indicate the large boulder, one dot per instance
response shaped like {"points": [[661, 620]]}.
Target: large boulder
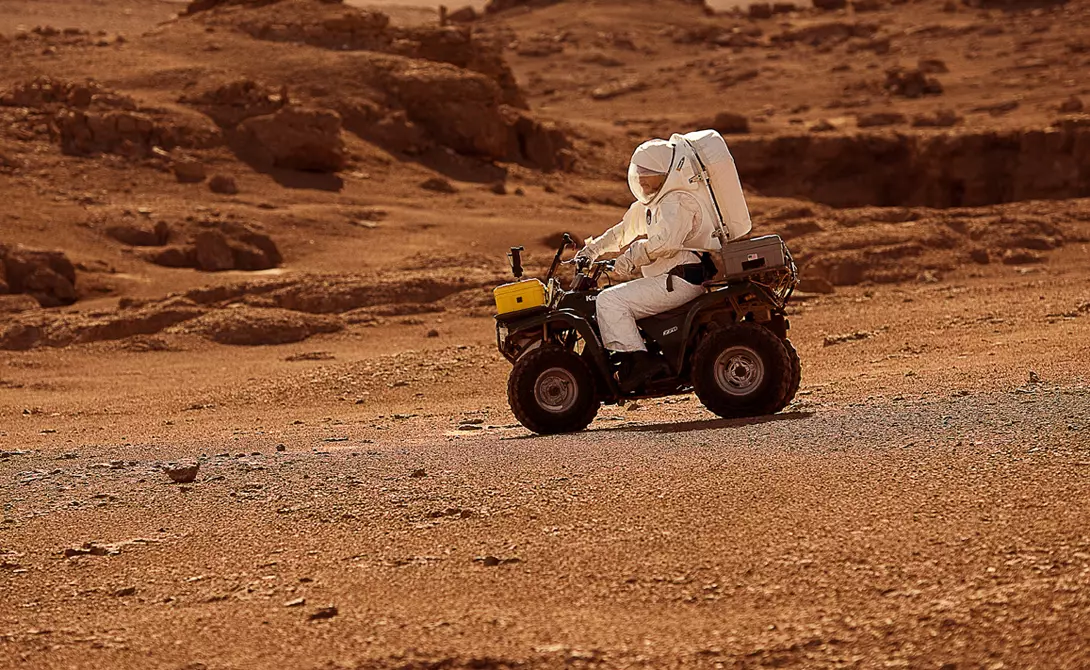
{"points": [[219, 246], [296, 138], [45, 275]]}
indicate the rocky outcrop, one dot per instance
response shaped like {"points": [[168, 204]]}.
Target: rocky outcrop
{"points": [[45, 275], [87, 119], [929, 169], [232, 102]]}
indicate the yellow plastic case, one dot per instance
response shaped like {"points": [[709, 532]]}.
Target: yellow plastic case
{"points": [[518, 296]]}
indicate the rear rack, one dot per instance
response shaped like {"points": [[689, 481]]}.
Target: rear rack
{"points": [[778, 282]]}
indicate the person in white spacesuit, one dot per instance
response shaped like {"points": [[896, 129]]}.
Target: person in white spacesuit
{"points": [[675, 214]]}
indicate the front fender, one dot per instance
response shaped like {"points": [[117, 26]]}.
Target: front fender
{"points": [[565, 319]]}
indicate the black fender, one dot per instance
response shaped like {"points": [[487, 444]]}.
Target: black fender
{"points": [[724, 298], [567, 319]]}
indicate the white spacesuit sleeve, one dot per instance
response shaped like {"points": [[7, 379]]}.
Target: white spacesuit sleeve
{"points": [[630, 227], [677, 218]]}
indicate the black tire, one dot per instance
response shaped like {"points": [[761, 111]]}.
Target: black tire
{"points": [[741, 371], [551, 390], [796, 375]]}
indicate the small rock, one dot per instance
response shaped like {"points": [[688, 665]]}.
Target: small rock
{"points": [[418, 473], [1034, 378], [223, 184], [281, 447], [1072, 105], [943, 118], [822, 126], [980, 255], [730, 123], [189, 171], [127, 591], [323, 613], [816, 285], [183, 474], [877, 119], [932, 66], [499, 188], [296, 603], [1021, 257], [438, 185], [760, 10], [433, 333]]}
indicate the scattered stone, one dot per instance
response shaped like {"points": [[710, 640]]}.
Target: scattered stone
{"points": [[1072, 105], [942, 118], [816, 285], [980, 255], [499, 188], [493, 561], [998, 108], [125, 592], [730, 123], [877, 119], [182, 474], [619, 88], [223, 184], [418, 473], [438, 185], [822, 126], [323, 613], [760, 10], [296, 603], [932, 66], [281, 447], [1021, 257], [45, 275], [1034, 378], [138, 234], [189, 171], [433, 333], [311, 356], [831, 340], [911, 83]]}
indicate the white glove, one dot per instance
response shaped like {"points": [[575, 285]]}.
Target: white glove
{"points": [[624, 266], [588, 254]]}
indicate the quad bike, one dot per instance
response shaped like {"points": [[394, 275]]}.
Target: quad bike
{"points": [[729, 345]]}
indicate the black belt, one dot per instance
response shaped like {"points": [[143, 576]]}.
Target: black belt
{"points": [[692, 273]]}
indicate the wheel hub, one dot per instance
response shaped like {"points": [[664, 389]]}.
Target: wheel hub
{"points": [[556, 390], [739, 371]]}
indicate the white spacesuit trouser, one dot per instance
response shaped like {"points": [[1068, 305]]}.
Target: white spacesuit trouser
{"points": [[619, 307]]}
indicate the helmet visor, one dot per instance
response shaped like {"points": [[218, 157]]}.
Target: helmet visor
{"points": [[645, 183]]}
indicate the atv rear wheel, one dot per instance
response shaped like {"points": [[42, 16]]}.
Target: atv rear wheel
{"points": [[551, 390], [796, 375], [741, 371]]}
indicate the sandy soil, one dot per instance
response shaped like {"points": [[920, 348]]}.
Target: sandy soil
{"points": [[365, 498]]}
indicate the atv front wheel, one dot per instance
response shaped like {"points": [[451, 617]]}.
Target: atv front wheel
{"points": [[741, 371], [551, 391]]}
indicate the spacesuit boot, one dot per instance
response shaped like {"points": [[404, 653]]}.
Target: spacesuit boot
{"points": [[640, 367]]}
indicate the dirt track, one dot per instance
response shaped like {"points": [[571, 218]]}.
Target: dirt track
{"points": [[924, 506]]}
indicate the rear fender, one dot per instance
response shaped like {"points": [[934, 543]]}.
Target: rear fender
{"points": [[723, 300]]}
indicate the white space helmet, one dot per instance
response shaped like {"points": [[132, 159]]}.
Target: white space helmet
{"points": [[650, 166]]}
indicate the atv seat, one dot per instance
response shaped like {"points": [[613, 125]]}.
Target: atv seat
{"points": [[659, 322]]}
